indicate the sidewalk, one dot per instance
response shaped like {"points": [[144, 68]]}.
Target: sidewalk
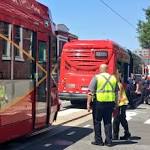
{"points": [[69, 115]]}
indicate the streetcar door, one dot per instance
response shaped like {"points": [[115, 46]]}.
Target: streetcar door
{"points": [[41, 85]]}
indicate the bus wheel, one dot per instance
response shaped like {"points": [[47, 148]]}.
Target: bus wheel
{"points": [[79, 104], [74, 102]]}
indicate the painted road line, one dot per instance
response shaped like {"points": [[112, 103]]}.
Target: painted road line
{"points": [[147, 121], [71, 133], [130, 114]]}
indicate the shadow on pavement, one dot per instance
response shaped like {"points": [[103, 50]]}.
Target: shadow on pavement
{"points": [[122, 142], [59, 141], [48, 140], [132, 140], [135, 138]]}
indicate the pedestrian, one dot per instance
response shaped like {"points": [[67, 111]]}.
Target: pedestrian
{"points": [[103, 87], [145, 89], [130, 90], [3, 97], [120, 116]]}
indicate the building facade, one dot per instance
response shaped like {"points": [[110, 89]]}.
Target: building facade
{"points": [[63, 36], [145, 54]]}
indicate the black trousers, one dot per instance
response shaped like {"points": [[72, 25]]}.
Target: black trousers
{"points": [[144, 94], [130, 95], [120, 118], [103, 111]]}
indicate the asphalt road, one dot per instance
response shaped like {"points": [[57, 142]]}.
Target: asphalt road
{"points": [[78, 135]]}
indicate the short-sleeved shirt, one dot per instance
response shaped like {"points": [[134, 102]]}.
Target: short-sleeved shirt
{"points": [[93, 85]]}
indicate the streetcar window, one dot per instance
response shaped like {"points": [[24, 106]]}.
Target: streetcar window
{"points": [[42, 51], [5, 30], [5, 71], [55, 63], [28, 41], [18, 39], [24, 39], [101, 54]]}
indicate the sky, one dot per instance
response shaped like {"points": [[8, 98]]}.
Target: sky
{"points": [[91, 19]]}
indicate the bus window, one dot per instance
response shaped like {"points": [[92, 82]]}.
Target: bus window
{"points": [[123, 69], [126, 72], [119, 65], [101, 54]]}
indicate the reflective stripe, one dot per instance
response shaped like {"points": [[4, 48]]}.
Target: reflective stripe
{"points": [[108, 81], [107, 91], [106, 85]]}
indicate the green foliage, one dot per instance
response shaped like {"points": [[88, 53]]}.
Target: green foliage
{"points": [[144, 30]]}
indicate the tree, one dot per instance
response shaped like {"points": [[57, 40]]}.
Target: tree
{"points": [[144, 30]]}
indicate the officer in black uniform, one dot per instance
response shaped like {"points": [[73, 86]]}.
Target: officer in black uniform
{"points": [[103, 86]]}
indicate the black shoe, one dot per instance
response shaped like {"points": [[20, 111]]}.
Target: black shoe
{"points": [[109, 144], [125, 137], [97, 143]]}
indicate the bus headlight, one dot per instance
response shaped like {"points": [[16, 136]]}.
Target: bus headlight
{"points": [[84, 88]]}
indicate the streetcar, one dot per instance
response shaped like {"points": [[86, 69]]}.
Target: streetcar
{"points": [[28, 95], [80, 61]]}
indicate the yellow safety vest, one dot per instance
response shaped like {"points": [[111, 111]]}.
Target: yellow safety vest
{"points": [[106, 85], [123, 98]]}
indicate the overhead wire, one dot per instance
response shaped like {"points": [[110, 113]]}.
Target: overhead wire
{"points": [[116, 13]]}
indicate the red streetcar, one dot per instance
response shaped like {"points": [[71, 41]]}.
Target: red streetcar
{"points": [[81, 60], [28, 95]]}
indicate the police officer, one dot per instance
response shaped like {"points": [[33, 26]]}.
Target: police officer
{"points": [[103, 86], [145, 89], [120, 116]]}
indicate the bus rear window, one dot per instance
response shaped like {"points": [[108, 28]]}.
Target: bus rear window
{"points": [[101, 54]]}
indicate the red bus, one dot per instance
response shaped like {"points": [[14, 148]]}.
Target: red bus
{"points": [[28, 96], [80, 61]]}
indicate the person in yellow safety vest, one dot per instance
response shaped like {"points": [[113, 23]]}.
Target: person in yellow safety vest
{"points": [[2, 95], [104, 87], [120, 116]]}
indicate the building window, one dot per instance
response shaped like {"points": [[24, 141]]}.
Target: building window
{"points": [[61, 40], [5, 29]]}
